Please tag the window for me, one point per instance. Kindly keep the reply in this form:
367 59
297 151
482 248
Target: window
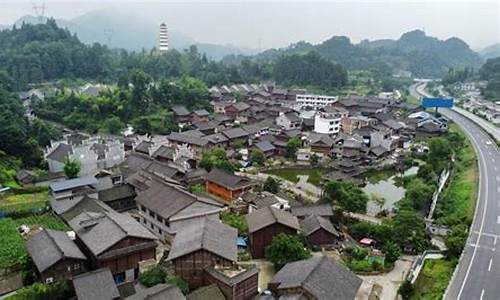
160 219
76 267
160 231
167 223
143 208
152 214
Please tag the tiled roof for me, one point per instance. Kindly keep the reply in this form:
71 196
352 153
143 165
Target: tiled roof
227 180
266 216
319 276
211 236
96 285
50 246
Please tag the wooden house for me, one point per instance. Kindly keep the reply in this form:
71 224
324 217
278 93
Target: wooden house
115 241
199 246
320 231
226 185
266 223
55 256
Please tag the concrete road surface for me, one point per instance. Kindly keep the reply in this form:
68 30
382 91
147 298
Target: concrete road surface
478 273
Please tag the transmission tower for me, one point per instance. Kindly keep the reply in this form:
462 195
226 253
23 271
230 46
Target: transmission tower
39 10
108 34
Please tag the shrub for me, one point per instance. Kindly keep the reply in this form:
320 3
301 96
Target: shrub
152 277
57 291
180 283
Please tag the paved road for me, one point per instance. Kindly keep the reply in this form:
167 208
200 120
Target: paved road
478 272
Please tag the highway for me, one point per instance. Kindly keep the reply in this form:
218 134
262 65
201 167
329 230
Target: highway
478 273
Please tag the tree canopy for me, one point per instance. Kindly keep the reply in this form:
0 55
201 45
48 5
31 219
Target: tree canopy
284 249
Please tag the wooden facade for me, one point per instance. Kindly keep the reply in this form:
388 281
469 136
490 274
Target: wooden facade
64 269
190 267
262 238
124 256
322 237
245 289
227 194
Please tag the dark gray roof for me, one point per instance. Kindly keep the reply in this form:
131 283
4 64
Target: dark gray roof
216 138
50 246
313 223
227 180
116 193
211 236
235 133
164 152
319 276
187 139
201 112
162 291
240 106
143 146
265 146
61 152
207 125
261 199
180 110
324 210
378 151
73 183
293 117
391 123
266 216
167 200
100 231
209 292
86 204
244 274
96 285
319 138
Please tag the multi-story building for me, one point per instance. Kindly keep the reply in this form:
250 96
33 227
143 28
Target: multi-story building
289 121
328 123
94 153
314 101
163 40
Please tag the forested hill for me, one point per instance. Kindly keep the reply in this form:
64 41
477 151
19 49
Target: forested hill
416 52
33 54
491 71
36 53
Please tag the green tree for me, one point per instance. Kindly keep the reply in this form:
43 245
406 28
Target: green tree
258 157
439 153
113 125
292 146
180 283
347 194
216 158
455 241
406 290
43 132
59 290
409 230
419 194
153 276
271 185
235 221
284 249
314 159
392 251
72 167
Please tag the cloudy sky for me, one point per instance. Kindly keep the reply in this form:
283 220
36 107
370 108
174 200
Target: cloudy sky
265 24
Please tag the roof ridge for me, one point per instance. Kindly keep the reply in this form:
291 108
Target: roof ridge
323 257
54 241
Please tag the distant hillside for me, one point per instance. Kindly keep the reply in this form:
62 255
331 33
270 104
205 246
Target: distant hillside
414 51
118 31
491 71
490 51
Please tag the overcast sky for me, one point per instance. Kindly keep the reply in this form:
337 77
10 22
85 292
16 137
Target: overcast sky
265 24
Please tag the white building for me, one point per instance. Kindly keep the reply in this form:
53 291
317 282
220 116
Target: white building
328 123
314 101
94 154
289 121
163 47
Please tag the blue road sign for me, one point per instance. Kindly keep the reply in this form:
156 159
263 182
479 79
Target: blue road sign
437 102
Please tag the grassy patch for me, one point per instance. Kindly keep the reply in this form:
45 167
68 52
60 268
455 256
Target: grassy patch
48 221
433 279
23 202
12 249
458 201
412 100
291 174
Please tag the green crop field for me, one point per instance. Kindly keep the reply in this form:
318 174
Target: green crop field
12 248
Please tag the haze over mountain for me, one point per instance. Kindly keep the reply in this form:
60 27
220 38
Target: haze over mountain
414 51
491 51
117 31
